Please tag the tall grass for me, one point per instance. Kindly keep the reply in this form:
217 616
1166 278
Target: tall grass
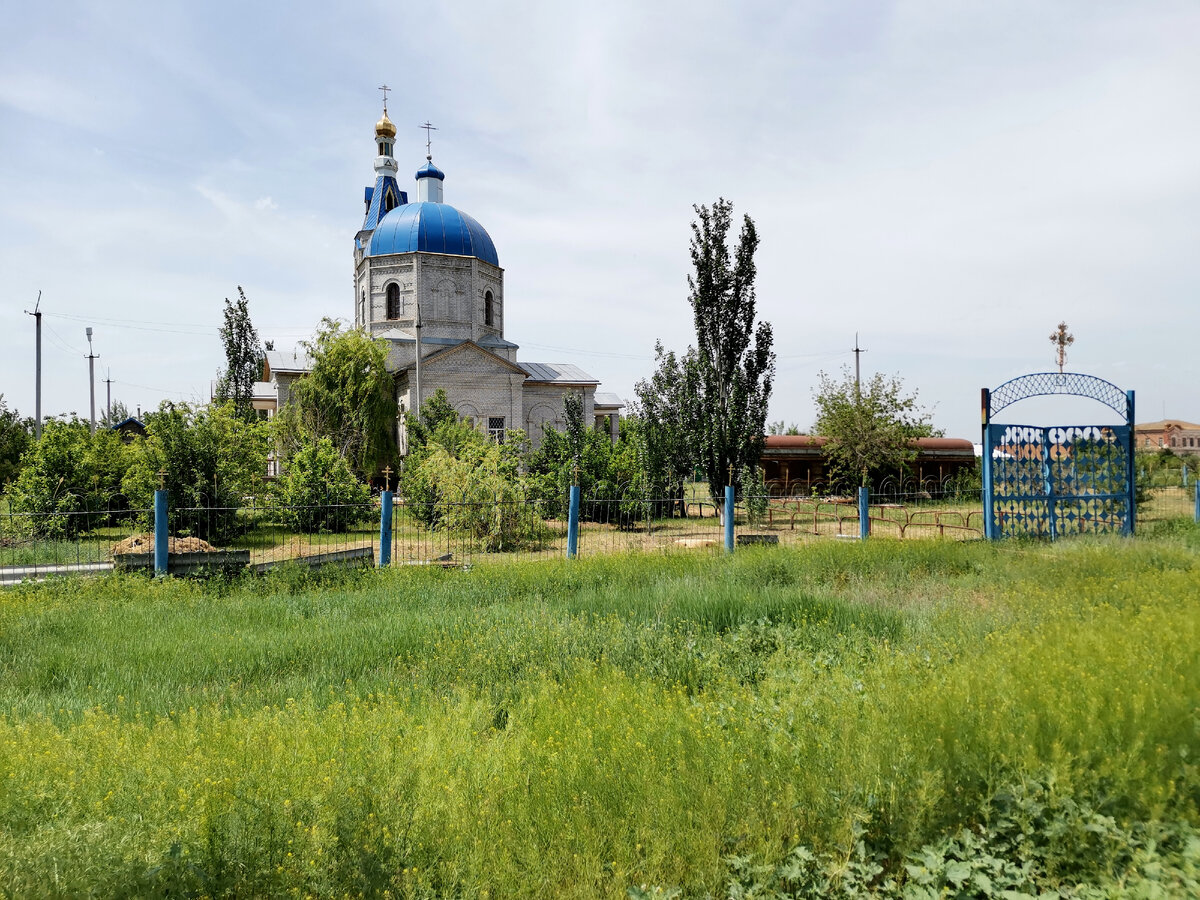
577 729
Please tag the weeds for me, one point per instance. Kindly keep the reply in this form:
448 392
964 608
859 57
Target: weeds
883 719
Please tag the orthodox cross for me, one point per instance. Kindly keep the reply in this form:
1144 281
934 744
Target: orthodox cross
1062 341
385 89
428 128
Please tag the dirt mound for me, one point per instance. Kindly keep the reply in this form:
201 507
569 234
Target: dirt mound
144 543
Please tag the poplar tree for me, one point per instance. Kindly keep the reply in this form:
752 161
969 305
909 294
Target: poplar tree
243 357
734 362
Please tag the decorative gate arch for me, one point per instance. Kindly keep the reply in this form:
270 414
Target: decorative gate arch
1057 480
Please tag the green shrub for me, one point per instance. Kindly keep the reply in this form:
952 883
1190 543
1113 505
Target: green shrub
70 480
318 490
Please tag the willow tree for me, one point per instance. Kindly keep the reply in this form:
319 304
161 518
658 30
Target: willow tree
734 363
348 396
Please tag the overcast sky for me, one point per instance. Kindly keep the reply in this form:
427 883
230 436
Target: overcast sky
947 179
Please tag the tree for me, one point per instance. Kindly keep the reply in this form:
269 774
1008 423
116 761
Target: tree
70 479
115 415
15 437
781 428
869 430
348 396
210 458
609 478
319 491
243 357
734 361
667 406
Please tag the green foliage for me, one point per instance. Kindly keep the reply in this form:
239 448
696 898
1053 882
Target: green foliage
870 430
457 478
667 408
16 434
70 479
115 415
754 494
243 357
319 491
479 493
348 397
210 459
734 361
611 479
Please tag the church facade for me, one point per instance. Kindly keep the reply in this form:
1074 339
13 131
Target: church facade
428 281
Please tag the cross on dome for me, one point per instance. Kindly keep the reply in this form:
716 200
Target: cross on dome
428 138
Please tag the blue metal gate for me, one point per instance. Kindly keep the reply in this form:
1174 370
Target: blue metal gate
1050 481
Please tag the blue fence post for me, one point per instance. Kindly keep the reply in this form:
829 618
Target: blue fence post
1198 501
729 518
573 524
161 537
385 529
864 513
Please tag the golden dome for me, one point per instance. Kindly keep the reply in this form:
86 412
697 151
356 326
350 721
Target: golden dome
384 127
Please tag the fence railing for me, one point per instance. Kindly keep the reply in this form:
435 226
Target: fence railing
463 531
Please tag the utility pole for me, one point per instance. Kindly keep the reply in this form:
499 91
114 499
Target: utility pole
37 403
858 351
108 398
91 358
417 406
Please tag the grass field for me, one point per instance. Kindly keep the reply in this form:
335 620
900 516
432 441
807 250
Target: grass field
895 718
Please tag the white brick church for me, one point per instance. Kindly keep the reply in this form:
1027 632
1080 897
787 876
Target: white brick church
427 279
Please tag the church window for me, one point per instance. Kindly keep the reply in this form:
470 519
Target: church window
389 202
489 309
496 428
362 308
393 301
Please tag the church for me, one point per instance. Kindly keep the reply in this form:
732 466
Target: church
428 281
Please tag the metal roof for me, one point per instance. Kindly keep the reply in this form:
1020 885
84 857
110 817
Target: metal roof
557 373
288 361
603 398
429 170
428 227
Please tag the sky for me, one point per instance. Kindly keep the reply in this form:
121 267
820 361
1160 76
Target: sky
946 180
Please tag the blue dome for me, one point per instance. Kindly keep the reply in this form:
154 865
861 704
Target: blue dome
429 170
432 228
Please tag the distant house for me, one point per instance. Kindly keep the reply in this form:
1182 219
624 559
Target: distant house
129 429
796 463
1175 435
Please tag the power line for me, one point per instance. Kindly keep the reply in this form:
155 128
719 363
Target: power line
146 387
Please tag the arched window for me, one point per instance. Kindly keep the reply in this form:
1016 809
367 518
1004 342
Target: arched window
393 301
362 308
489 309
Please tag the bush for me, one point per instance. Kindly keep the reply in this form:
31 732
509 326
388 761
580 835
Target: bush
319 491
69 479
212 460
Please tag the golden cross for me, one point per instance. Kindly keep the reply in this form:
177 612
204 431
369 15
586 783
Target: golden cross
1062 340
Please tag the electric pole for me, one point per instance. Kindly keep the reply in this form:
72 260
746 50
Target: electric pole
858 352
91 358
108 399
37 403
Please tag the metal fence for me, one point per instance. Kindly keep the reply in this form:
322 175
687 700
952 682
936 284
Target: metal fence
472 530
